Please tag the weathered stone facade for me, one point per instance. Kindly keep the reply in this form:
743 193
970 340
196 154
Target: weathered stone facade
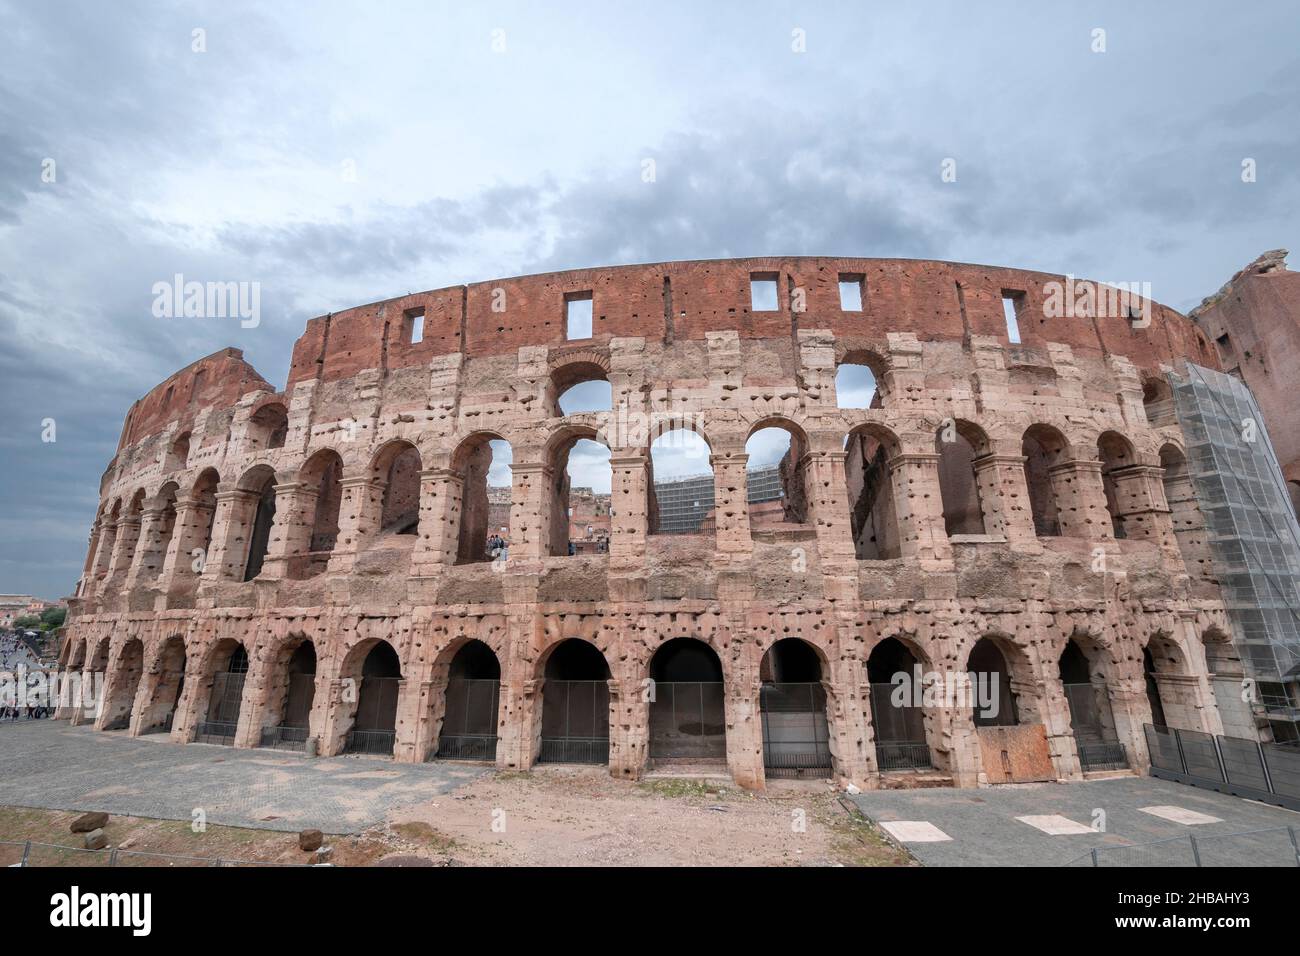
354 503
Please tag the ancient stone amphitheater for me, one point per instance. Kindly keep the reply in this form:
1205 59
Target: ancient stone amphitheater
310 568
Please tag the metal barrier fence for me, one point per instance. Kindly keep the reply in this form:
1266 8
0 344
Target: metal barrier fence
900 732
1267 772
469 722
221 732
796 739
285 738
374 742
687 720
1271 846
32 853
575 722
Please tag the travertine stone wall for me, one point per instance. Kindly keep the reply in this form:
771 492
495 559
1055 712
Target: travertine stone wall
678 342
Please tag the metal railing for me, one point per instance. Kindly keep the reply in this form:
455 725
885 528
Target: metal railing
1100 755
467 747
285 738
221 732
1267 772
796 739
31 853
374 742
574 750
1271 846
902 755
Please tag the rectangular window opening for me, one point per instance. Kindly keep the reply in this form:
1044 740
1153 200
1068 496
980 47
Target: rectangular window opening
762 292
1012 303
851 292
415 323
577 315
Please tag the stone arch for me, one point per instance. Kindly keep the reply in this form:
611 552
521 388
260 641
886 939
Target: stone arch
1158 401
1002 682
578 370
1083 669
562 517
268 426
466 725
959 443
793 676
573 726
1170 695
1116 454
481 514
396 465
787 490
223 670
902 726
1045 449
679 504
1185 512
257 509
292 668
370 722
869 472
860 378
121 686
322 477
178 453
687 709
166 685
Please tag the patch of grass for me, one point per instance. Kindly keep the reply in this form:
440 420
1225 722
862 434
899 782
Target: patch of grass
856 841
684 788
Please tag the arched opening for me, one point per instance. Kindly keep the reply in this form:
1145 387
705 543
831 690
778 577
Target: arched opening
1227 673
959 443
1158 402
1153 689
680 484
473 698
580 493
166 528
897 688
120 694
268 428
290 699
226 695
774 475
204 494
483 463
995 704
1185 514
580 387
108 539
1043 448
872 514
1116 453
398 465
130 533
792 700
169 667
575 705
858 381
178 455
323 474
687 714
1091 717
259 484
374 726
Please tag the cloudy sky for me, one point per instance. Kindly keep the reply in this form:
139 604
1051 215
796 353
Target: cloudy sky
342 153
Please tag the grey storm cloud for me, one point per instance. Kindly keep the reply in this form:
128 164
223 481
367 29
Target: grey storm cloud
225 165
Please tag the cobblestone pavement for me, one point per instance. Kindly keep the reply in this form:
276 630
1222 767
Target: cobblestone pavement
984 827
49 764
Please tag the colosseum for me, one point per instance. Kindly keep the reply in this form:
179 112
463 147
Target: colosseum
324 568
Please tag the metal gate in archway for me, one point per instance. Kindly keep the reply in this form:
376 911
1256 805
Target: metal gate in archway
469 725
575 722
796 736
291 734
223 709
687 721
374 730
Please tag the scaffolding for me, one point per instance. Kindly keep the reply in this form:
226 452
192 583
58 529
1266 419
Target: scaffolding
684 503
1249 523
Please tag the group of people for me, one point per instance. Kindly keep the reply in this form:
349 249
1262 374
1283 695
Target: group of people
15 654
497 547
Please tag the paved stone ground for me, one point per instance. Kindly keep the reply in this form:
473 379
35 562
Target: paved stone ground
49 764
984 830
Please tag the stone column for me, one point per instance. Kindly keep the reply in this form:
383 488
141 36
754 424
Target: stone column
228 554
360 511
744 732
627 537
190 534
1081 500
150 550
1144 514
1004 500
128 532
529 511
731 505
341 697
849 724
431 713
193 696
827 493
104 549
407 737
919 506
629 729
1061 743
290 540
440 508
520 723
253 705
